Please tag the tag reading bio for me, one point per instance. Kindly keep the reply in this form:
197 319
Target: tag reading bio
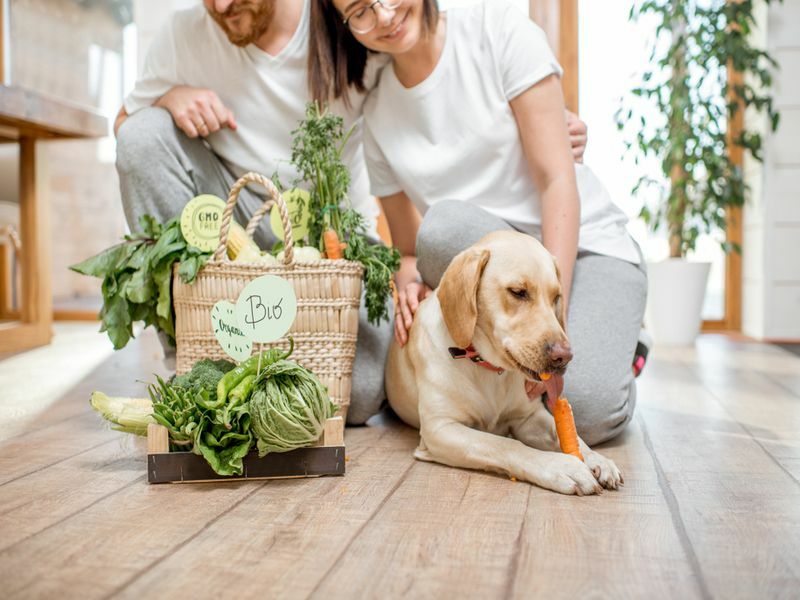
266 308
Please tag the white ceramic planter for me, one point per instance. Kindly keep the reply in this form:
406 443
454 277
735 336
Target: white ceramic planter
675 293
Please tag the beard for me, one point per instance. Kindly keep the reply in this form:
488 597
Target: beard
261 14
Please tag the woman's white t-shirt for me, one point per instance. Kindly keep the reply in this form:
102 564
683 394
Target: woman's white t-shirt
454 135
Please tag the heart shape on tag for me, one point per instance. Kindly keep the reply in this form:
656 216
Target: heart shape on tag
227 331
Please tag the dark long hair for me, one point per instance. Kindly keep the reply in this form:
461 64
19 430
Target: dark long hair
336 60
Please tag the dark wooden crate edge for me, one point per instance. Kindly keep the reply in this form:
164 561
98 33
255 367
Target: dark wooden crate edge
185 467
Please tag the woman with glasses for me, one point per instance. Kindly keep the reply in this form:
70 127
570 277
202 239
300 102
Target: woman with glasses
467 126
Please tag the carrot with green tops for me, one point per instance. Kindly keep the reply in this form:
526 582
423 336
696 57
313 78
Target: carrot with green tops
333 247
565 424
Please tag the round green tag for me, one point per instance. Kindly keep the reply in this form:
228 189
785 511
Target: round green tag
233 341
200 221
297 203
266 308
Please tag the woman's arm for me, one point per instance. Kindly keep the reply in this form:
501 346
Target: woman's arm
404 220
539 112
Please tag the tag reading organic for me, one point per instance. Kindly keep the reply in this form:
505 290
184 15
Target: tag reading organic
201 220
297 204
266 308
229 335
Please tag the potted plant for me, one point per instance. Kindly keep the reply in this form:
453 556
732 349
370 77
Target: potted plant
704 69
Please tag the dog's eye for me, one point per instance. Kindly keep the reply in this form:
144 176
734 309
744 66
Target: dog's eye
520 293
557 300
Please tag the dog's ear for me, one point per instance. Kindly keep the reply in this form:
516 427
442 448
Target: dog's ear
458 294
561 306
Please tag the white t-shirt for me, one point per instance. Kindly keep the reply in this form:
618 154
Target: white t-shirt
454 136
267 94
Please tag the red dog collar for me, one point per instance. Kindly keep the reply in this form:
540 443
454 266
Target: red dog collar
472 354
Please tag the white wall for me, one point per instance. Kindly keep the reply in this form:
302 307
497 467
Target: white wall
771 265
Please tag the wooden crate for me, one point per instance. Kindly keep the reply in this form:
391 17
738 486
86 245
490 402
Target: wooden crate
325 458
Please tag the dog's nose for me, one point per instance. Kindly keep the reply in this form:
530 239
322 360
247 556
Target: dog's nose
558 355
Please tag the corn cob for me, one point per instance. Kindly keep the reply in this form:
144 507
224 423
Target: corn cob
240 243
129 415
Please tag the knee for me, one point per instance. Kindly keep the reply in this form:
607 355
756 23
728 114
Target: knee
603 411
434 239
437 225
141 135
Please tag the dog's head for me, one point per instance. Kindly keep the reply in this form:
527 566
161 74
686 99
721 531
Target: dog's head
504 295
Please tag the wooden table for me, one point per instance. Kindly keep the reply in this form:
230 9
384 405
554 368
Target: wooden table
26 117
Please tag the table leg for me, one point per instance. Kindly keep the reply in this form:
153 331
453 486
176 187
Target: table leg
36 307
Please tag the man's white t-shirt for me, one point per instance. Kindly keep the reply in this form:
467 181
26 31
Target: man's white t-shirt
454 136
267 95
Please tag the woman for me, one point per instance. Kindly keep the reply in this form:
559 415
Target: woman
470 107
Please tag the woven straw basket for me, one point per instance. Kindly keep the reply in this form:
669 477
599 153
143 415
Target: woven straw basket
328 296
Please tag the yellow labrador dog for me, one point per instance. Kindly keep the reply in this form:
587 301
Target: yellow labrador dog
501 300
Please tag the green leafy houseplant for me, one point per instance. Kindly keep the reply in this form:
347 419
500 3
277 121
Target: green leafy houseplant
703 70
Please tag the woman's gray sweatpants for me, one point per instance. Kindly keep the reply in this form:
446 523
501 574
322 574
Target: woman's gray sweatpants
605 316
161 169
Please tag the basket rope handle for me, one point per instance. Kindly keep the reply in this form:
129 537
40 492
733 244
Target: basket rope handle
274 198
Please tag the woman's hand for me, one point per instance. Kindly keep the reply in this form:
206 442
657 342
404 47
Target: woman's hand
578 135
196 111
404 219
408 300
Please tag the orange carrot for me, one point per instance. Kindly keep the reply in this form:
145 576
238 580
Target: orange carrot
333 247
565 428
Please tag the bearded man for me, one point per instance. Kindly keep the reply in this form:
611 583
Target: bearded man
222 88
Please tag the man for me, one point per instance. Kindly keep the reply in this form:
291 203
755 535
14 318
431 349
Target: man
222 88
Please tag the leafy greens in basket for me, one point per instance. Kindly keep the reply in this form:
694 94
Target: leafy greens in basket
137 278
317 148
137 275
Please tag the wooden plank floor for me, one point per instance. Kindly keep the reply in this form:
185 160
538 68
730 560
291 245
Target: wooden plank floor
710 509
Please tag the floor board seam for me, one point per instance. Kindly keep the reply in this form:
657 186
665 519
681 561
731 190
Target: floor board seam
743 426
71 515
514 567
174 549
675 513
44 427
357 533
58 462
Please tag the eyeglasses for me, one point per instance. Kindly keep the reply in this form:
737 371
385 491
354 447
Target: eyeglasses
365 19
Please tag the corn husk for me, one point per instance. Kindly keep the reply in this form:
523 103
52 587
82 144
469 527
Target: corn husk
129 415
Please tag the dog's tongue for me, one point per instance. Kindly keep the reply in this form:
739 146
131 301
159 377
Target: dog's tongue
554 385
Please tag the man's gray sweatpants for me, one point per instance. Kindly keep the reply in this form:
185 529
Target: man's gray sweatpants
160 169
605 316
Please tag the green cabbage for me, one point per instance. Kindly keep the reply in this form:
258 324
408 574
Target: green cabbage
288 407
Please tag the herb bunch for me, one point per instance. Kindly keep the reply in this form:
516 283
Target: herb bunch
317 148
137 278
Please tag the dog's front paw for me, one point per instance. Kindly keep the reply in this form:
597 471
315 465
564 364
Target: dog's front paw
604 470
566 474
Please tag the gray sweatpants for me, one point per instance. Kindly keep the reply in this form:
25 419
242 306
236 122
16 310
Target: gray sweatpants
160 169
605 316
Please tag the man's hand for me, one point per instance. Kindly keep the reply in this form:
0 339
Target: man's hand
577 136
197 112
